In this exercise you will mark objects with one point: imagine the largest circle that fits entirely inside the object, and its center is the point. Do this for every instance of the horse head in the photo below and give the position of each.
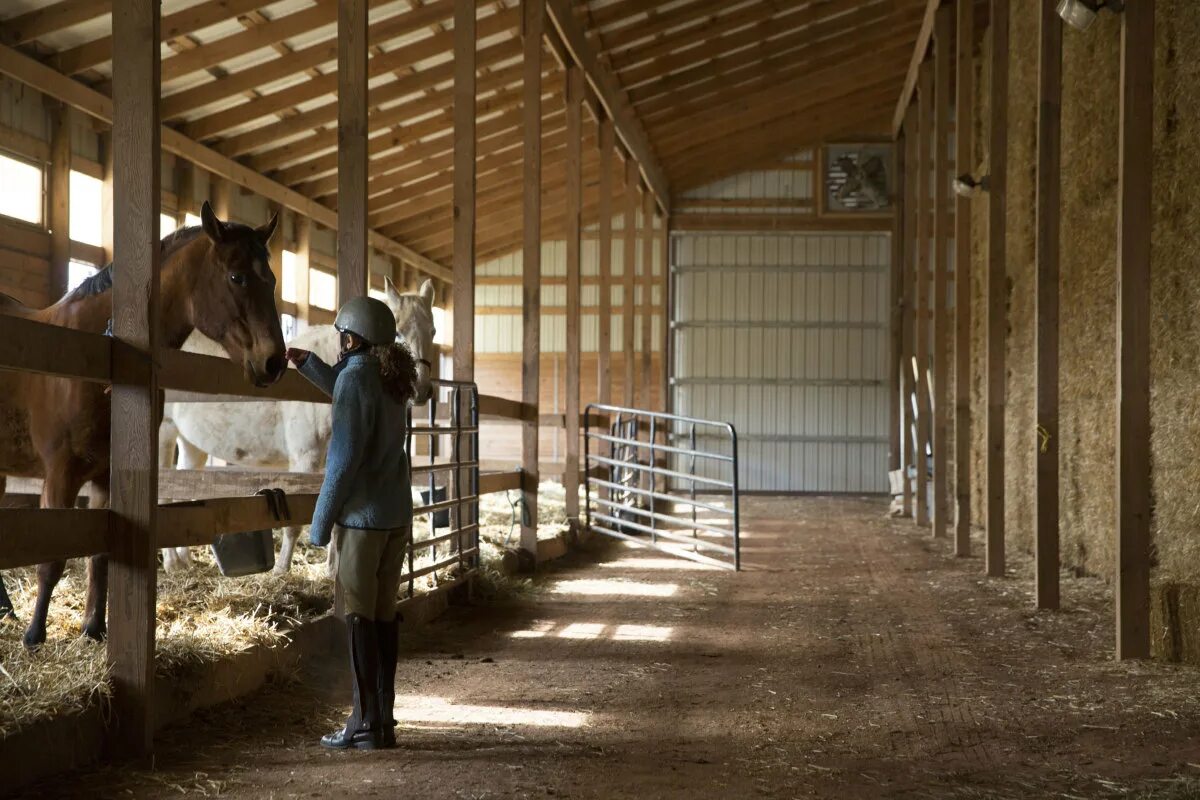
(414, 324)
(233, 296)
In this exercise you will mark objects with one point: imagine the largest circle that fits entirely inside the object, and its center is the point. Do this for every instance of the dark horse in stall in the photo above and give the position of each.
(215, 278)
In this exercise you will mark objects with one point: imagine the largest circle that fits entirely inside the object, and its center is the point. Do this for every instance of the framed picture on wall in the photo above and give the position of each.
(857, 177)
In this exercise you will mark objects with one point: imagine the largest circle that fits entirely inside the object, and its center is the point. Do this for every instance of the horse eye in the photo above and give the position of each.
(238, 278)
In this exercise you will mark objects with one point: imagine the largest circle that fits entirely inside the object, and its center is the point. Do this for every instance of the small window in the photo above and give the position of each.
(21, 197)
(322, 289)
(191, 221)
(78, 272)
(378, 294)
(166, 225)
(290, 325)
(87, 209)
(288, 292)
(441, 331)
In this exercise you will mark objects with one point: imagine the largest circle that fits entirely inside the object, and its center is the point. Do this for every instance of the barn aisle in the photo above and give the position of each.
(853, 658)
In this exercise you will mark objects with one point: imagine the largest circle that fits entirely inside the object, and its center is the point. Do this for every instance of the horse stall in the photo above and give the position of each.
(795, 412)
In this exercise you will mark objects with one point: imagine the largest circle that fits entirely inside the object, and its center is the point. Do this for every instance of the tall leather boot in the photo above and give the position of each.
(388, 634)
(362, 728)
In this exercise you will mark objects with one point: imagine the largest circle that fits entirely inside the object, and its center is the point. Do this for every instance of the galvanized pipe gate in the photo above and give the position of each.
(641, 498)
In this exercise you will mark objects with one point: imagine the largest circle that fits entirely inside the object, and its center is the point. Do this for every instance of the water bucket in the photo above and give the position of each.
(246, 553)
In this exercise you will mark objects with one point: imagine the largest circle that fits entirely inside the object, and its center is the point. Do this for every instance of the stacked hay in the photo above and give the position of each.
(1020, 420)
(1091, 80)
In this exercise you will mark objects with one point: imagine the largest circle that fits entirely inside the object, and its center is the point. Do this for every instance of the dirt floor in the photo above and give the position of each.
(853, 658)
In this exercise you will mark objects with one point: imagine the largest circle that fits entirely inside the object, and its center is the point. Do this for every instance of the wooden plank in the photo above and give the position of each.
(666, 359)
(492, 407)
(766, 223)
(943, 60)
(964, 77)
(607, 140)
(896, 416)
(914, 65)
(574, 226)
(628, 228)
(464, 190)
(39, 535)
(191, 372)
(52, 17)
(533, 20)
(52, 350)
(616, 103)
(493, 482)
(647, 302)
(199, 522)
(908, 377)
(352, 149)
(997, 290)
(58, 186)
(303, 265)
(921, 343)
(1049, 189)
(134, 480)
(96, 105)
(1134, 227)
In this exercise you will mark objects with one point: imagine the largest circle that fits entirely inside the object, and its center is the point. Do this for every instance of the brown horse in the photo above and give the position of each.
(216, 278)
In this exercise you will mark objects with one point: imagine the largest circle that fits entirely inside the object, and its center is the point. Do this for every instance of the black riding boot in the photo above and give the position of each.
(389, 651)
(362, 729)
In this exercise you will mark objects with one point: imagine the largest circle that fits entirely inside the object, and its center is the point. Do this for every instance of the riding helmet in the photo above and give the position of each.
(369, 318)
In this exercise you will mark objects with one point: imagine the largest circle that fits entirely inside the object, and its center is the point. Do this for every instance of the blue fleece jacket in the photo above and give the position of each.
(367, 483)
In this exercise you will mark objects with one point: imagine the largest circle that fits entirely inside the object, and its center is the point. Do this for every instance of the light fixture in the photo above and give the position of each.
(1080, 14)
(965, 185)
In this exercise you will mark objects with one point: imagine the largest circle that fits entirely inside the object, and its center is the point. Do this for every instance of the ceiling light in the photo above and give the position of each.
(1080, 14)
(965, 185)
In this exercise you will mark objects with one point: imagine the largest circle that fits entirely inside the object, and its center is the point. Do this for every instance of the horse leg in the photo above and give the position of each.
(94, 614)
(190, 457)
(6, 604)
(59, 490)
(287, 546)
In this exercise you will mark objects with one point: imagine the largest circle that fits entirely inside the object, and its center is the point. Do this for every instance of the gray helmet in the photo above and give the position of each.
(369, 318)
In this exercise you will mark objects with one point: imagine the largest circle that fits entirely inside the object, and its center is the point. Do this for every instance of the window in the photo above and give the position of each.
(441, 328)
(22, 194)
(378, 294)
(322, 289)
(86, 214)
(191, 221)
(291, 326)
(166, 224)
(78, 272)
(288, 292)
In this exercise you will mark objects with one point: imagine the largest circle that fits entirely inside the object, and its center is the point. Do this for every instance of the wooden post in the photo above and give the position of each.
(219, 190)
(186, 191)
(352, 149)
(1135, 222)
(574, 231)
(896, 416)
(908, 392)
(464, 190)
(276, 247)
(533, 21)
(922, 351)
(997, 291)
(647, 380)
(107, 213)
(303, 264)
(944, 57)
(134, 468)
(964, 75)
(664, 282)
(1046, 347)
(59, 186)
(604, 243)
(629, 276)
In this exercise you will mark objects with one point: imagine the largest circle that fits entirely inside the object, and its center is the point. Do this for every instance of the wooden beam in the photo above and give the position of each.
(58, 185)
(921, 346)
(612, 96)
(51, 18)
(666, 356)
(964, 104)
(464, 190)
(908, 343)
(604, 244)
(303, 264)
(647, 301)
(40, 535)
(1049, 188)
(1135, 223)
(629, 271)
(137, 192)
(781, 222)
(98, 106)
(943, 61)
(997, 288)
(574, 227)
(896, 416)
(914, 65)
(533, 21)
(352, 149)
(219, 191)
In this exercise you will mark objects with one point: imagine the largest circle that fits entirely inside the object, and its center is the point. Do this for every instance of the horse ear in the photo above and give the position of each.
(213, 227)
(265, 232)
(427, 292)
(392, 292)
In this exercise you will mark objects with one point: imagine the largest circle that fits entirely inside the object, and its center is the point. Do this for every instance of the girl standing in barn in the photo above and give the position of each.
(366, 499)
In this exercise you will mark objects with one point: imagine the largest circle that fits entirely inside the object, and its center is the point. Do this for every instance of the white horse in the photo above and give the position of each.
(284, 435)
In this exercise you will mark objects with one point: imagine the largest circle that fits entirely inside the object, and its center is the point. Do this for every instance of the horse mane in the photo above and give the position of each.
(101, 282)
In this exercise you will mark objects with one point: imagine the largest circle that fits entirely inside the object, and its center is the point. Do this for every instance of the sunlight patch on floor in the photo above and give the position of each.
(613, 586)
(582, 630)
(419, 708)
(656, 563)
(595, 630)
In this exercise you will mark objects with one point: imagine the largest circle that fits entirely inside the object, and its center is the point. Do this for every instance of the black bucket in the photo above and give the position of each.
(441, 519)
(246, 553)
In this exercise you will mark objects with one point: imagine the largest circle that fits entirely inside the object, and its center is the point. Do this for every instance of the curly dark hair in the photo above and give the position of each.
(398, 370)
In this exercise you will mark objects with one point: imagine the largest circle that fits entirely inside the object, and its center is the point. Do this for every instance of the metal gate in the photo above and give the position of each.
(653, 491)
(786, 336)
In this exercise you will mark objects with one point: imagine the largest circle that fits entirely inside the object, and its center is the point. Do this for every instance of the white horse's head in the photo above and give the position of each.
(414, 323)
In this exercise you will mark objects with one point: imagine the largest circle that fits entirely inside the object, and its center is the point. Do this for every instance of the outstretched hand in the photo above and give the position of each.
(297, 356)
